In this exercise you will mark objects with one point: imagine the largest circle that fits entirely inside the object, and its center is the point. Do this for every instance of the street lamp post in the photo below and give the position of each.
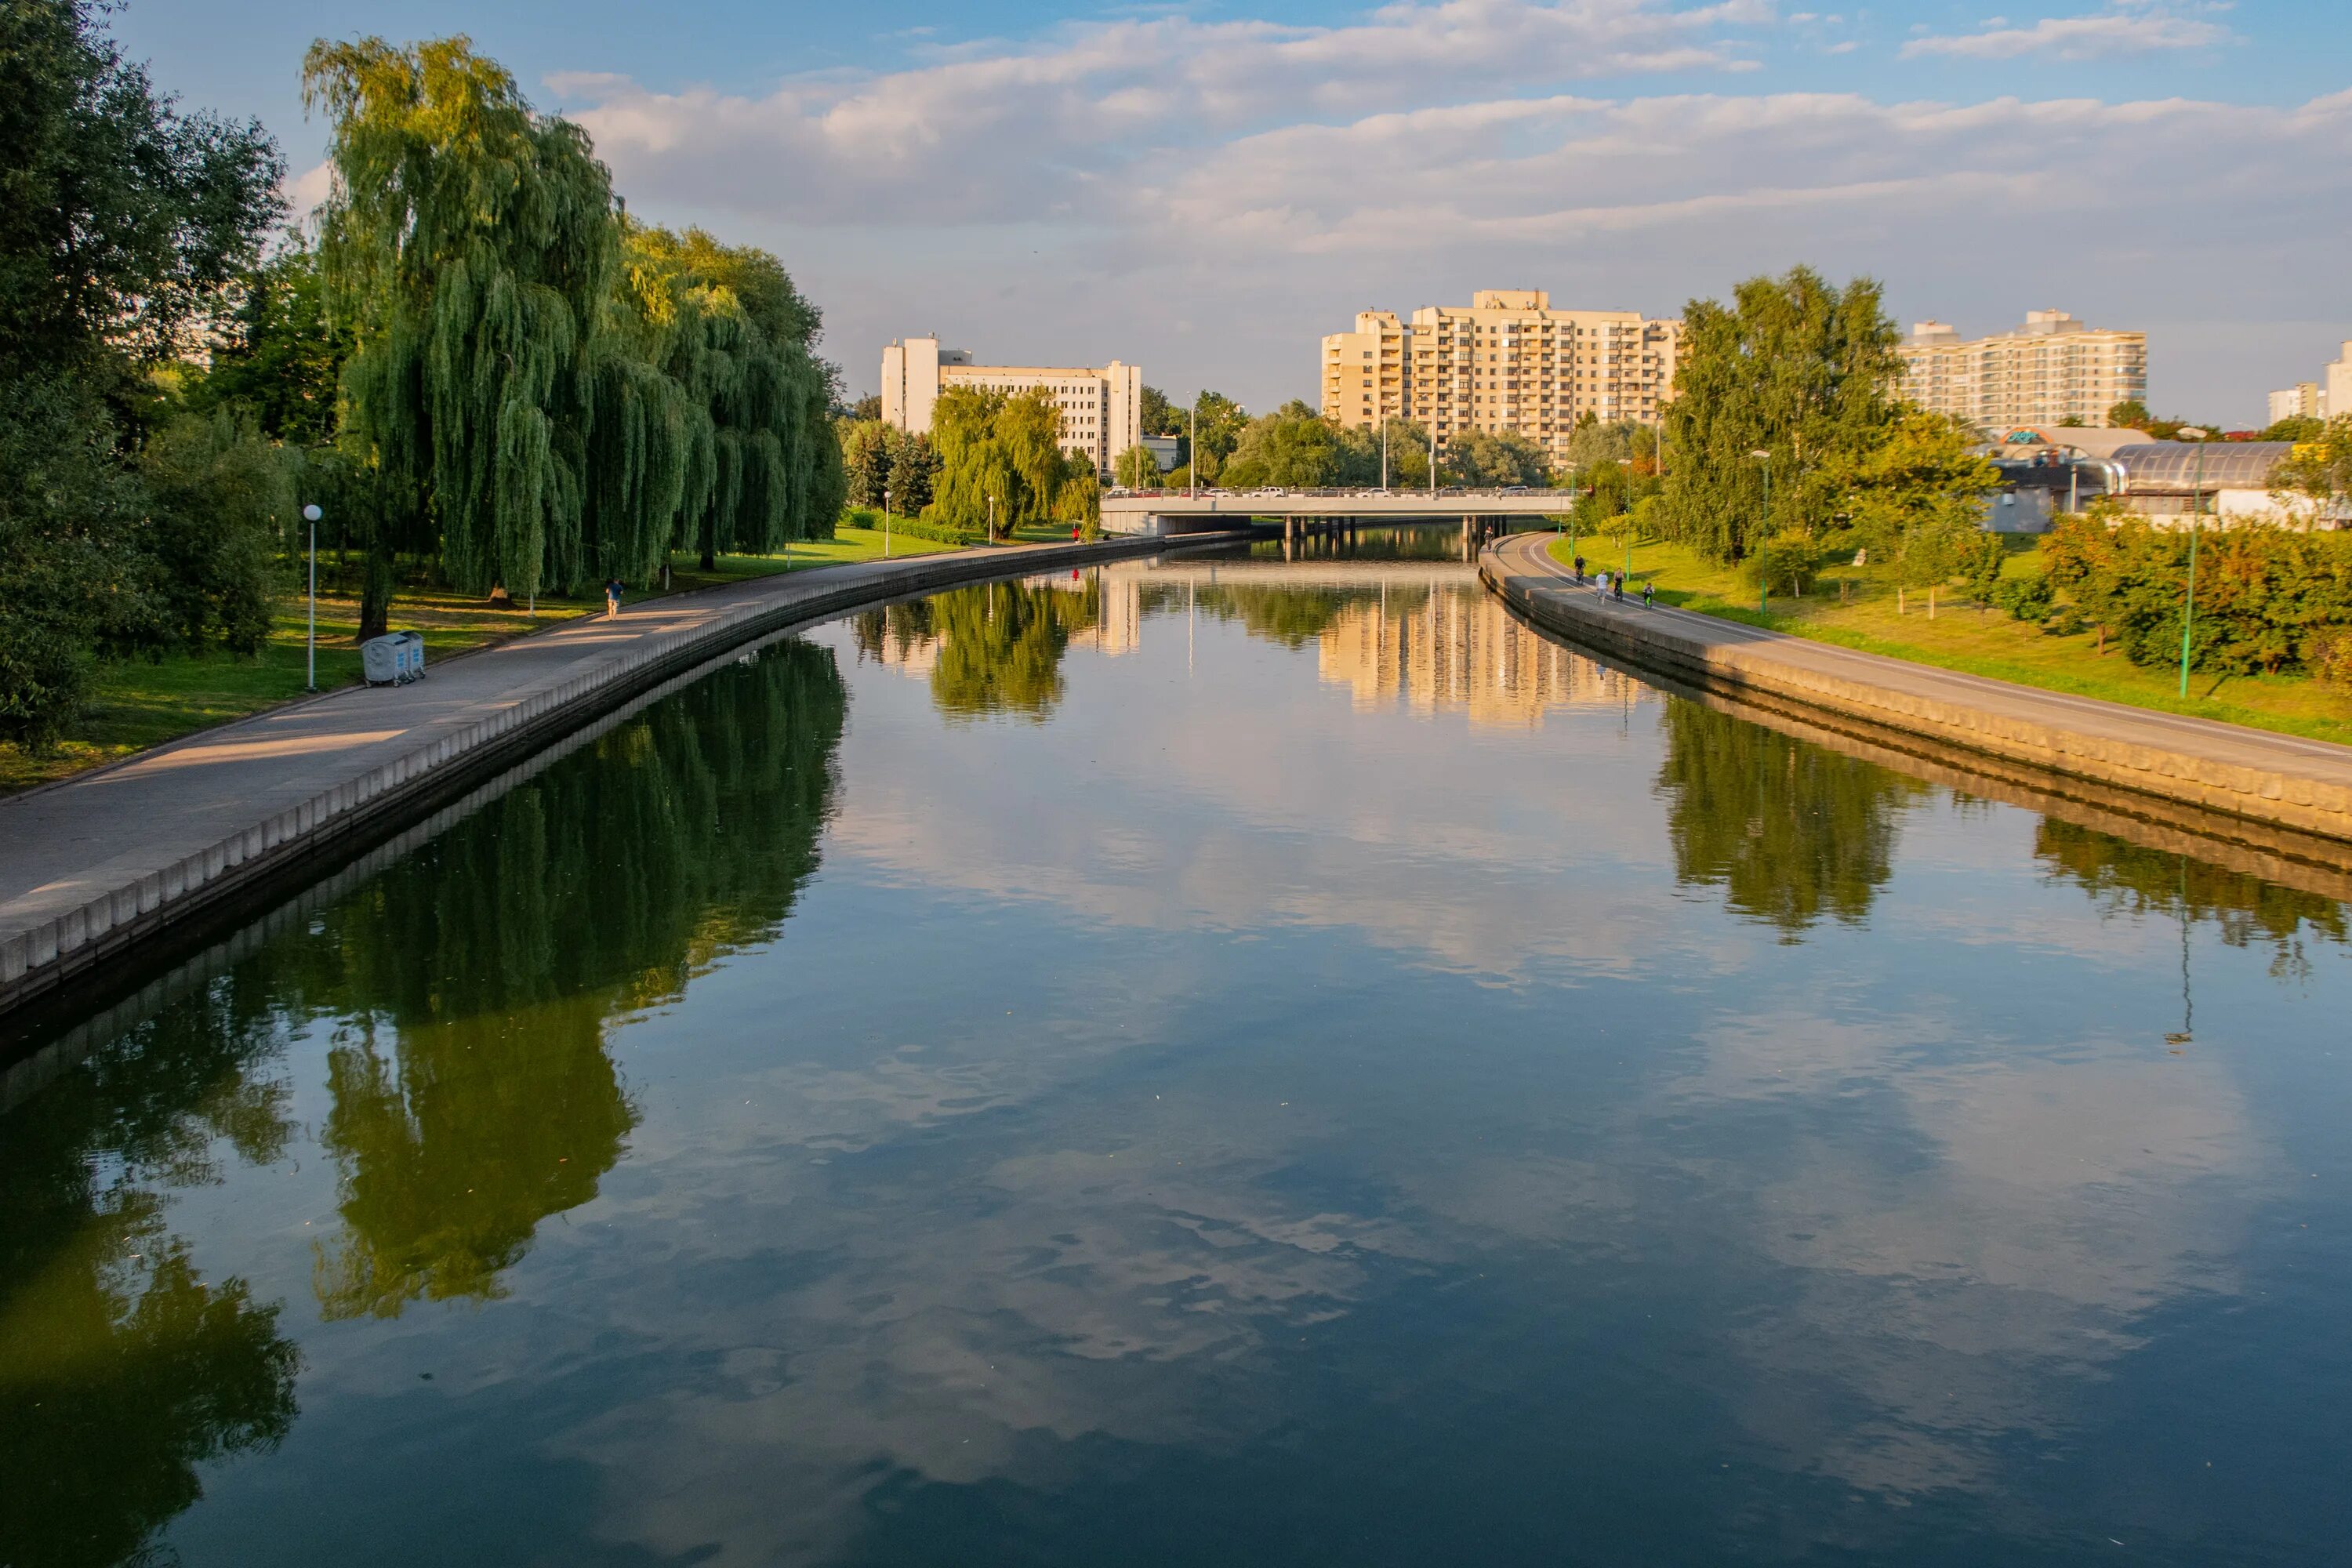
(1763, 548)
(1384, 452)
(311, 514)
(2196, 519)
(886, 522)
(1193, 456)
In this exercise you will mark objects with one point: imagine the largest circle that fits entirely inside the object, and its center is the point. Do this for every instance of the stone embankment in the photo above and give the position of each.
(97, 864)
(2254, 776)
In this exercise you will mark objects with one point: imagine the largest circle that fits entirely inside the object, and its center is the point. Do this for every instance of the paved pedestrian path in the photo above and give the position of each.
(2281, 779)
(93, 864)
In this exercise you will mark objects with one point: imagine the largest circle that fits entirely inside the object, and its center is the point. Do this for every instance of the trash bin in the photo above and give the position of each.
(393, 660)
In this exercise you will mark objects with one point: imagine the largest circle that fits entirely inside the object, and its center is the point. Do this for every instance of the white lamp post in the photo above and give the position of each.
(885, 523)
(311, 514)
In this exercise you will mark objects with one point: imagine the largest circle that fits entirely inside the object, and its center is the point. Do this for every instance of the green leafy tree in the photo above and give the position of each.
(1489, 459)
(1000, 456)
(1157, 416)
(2318, 474)
(281, 357)
(1914, 493)
(2129, 415)
(1137, 468)
(1220, 421)
(470, 242)
(711, 411)
(221, 509)
(76, 580)
(1796, 367)
(122, 223)
(1294, 447)
(2295, 427)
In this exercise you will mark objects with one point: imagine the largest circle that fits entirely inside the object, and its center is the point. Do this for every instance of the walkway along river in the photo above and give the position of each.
(1176, 1064)
(2280, 780)
(92, 866)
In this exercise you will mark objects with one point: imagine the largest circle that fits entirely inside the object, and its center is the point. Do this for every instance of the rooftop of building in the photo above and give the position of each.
(2037, 324)
(2203, 465)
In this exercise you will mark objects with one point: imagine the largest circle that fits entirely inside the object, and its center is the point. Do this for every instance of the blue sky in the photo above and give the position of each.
(1207, 189)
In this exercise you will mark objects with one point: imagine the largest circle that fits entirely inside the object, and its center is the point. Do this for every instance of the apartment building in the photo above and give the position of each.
(2325, 398)
(1367, 374)
(1101, 408)
(1506, 362)
(2053, 369)
(2304, 400)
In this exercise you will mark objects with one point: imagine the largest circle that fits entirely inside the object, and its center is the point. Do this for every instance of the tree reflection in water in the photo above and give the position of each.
(2126, 877)
(997, 647)
(121, 1370)
(1791, 831)
(474, 1098)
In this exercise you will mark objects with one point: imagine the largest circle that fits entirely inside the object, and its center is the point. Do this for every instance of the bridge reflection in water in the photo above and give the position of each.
(1421, 633)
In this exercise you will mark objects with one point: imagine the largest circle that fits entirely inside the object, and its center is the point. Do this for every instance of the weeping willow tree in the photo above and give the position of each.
(558, 395)
(469, 242)
(1000, 461)
(724, 325)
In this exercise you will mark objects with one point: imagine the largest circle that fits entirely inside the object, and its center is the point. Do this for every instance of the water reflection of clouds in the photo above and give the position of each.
(2005, 1245)
(1260, 810)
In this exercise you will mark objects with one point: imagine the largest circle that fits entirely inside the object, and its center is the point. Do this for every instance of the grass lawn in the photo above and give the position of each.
(140, 704)
(846, 544)
(1979, 641)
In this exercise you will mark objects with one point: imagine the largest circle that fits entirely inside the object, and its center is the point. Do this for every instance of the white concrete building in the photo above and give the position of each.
(1101, 407)
(2304, 400)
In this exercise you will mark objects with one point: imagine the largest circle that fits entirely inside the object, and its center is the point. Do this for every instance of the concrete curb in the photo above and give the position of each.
(45, 950)
(2283, 780)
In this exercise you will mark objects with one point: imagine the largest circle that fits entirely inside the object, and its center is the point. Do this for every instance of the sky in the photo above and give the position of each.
(1205, 189)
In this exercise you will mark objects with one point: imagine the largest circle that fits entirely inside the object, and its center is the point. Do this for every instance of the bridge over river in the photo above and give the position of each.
(1302, 513)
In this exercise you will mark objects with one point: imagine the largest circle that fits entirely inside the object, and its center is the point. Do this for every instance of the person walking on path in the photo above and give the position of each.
(612, 599)
(1618, 588)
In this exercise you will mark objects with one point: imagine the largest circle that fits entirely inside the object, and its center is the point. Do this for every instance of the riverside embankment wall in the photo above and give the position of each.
(98, 865)
(2225, 769)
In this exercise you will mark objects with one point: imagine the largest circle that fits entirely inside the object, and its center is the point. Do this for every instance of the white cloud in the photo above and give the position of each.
(2127, 30)
(1207, 197)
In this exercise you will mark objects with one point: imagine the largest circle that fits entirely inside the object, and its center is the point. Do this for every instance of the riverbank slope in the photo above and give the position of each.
(2256, 774)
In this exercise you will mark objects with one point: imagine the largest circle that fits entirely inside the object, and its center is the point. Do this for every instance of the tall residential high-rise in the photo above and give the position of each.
(1101, 407)
(2304, 400)
(2051, 370)
(1507, 361)
(1367, 374)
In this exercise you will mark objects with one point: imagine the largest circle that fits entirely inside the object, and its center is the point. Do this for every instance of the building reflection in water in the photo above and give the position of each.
(1458, 649)
(1422, 634)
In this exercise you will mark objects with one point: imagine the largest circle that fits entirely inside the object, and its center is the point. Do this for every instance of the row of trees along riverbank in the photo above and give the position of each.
(480, 369)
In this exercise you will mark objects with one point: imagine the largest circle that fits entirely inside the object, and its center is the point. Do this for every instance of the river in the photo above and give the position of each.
(1206, 1061)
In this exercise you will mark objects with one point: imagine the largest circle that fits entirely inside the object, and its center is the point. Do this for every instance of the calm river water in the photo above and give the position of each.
(1203, 1063)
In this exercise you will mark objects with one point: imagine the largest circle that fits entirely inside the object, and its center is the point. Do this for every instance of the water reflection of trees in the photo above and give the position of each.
(1292, 617)
(1791, 831)
(997, 647)
(2126, 877)
(122, 1369)
(472, 1094)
